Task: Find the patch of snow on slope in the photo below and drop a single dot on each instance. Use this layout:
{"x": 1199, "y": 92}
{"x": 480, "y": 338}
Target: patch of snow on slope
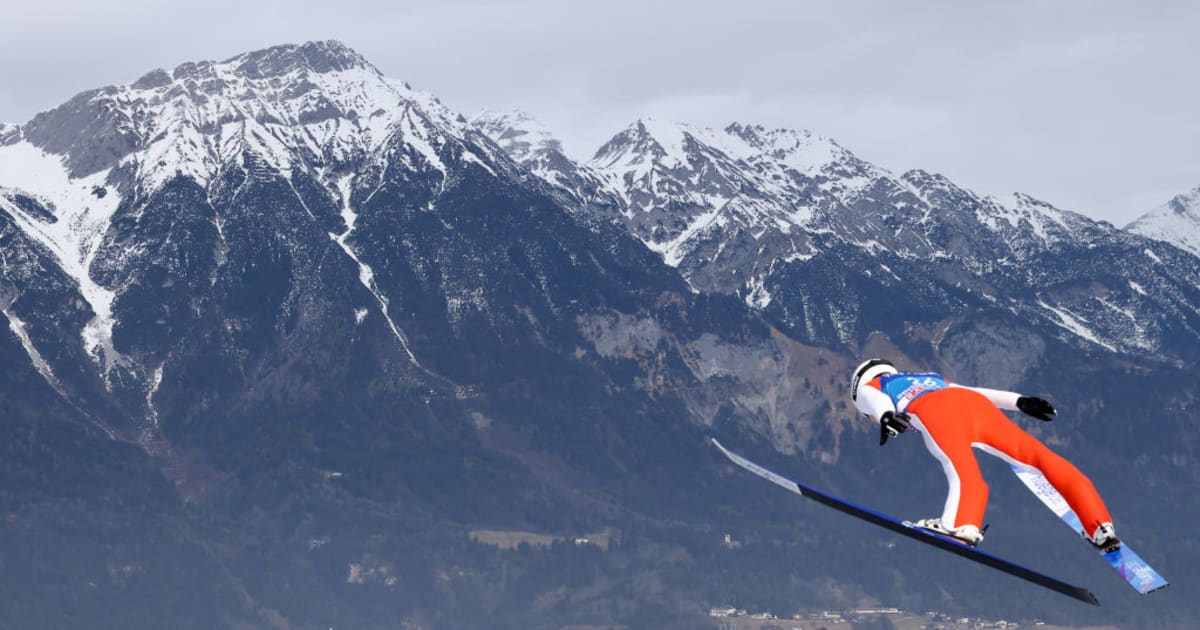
{"x": 757, "y": 295}
{"x": 83, "y": 219}
{"x": 674, "y": 250}
{"x": 39, "y": 362}
{"x": 1070, "y": 323}
{"x": 366, "y": 275}
{"x": 1048, "y": 223}
{"x": 419, "y": 138}
{"x": 1138, "y": 338}
{"x": 155, "y": 381}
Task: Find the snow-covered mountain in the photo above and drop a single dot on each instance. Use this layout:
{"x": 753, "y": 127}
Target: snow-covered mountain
{"x": 79, "y": 178}
{"x": 738, "y": 210}
{"x": 291, "y": 106}
{"x": 328, "y": 328}
{"x": 1176, "y": 222}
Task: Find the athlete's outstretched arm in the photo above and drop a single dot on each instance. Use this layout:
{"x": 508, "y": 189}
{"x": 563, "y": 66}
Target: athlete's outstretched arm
{"x": 1032, "y": 405}
{"x": 999, "y": 397}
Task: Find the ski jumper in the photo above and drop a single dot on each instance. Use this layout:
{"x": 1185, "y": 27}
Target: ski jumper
{"x": 953, "y": 419}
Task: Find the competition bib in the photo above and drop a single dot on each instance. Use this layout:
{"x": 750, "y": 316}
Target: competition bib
{"x": 905, "y": 388}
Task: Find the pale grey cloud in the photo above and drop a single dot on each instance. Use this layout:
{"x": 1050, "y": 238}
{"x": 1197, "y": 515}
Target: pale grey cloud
{"x": 1089, "y": 105}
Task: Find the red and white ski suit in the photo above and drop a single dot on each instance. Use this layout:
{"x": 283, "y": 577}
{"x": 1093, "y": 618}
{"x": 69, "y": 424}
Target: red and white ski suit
{"x": 952, "y": 419}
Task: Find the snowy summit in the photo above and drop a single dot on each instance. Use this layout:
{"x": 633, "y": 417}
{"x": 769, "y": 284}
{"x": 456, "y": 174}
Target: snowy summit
{"x": 319, "y": 107}
{"x": 1176, "y": 222}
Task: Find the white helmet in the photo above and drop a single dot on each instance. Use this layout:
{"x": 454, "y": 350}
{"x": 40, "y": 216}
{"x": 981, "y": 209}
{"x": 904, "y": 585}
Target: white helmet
{"x": 867, "y": 371}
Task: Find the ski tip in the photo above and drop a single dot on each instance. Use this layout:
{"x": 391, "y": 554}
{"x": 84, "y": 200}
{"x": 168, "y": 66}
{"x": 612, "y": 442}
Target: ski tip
{"x": 1157, "y": 588}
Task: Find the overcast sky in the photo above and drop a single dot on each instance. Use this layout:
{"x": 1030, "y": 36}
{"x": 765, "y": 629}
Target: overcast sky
{"x": 1091, "y": 106}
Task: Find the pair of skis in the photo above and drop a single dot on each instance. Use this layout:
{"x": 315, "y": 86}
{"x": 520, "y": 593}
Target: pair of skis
{"x": 1128, "y": 564}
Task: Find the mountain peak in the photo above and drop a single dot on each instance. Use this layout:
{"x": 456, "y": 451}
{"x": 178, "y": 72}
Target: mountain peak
{"x": 745, "y": 130}
{"x": 800, "y": 149}
{"x": 1176, "y": 222}
{"x": 521, "y": 135}
{"x": 1187, "y": 203}
{"x": 277, "y": 61}
{"x": 648, "y": 140}
{"x": 656, "y": 130}
{"x": 322, "y": 95}
{"x": 321, "y": 57}
{"x": 761, "y": 136}
{"x": 921, "y": 177}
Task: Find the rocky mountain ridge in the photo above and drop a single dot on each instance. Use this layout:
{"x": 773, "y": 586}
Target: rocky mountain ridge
{"x": 736, "y": 210}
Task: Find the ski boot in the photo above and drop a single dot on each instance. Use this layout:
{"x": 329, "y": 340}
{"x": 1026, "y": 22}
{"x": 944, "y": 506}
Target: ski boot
{"x": 968, "y": 534}
{"x": 1105, "y": 537}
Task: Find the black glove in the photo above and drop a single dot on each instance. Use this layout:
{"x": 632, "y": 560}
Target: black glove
{"x": 1036, "y": 407}
{"x": 892, "y": 423}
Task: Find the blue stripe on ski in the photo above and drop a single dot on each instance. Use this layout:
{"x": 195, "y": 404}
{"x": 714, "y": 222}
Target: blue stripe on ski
{"x": 908, "y": 529}
{"x": 1125, "y": 561}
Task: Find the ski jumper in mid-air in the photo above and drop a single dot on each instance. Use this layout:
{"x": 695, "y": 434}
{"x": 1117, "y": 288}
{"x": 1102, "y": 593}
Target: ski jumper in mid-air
{"x": 953, "y": 419}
